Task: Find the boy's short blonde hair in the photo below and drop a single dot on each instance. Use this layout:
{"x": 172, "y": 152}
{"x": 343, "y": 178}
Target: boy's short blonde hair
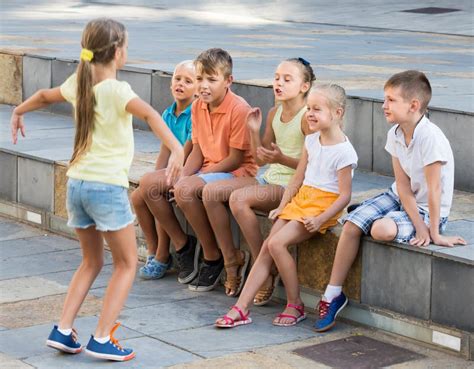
{"x": 213, "y": 61}
{"x": 188, "y": 64}
{"x": 413, "y": 84}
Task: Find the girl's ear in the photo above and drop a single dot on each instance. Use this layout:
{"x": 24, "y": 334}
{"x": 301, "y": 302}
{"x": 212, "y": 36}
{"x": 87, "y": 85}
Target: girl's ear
{"x": 340, "y": 112}
{"x": 305, "y": 87}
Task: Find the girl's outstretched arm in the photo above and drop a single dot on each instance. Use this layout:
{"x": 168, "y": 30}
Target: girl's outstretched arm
{"x": 40, "y": 99}
{"x": 140, "y": 109}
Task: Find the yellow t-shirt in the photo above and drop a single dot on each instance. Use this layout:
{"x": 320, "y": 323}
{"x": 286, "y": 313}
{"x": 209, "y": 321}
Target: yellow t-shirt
{"x": 111, "y": 152}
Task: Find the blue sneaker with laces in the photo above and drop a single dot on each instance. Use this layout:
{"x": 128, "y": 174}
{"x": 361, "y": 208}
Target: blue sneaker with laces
{"x": 65, "y": 343}
{"x": 154, "y": 269}
{"x": 111, "y": 350}
{"x": 328, "y": 312}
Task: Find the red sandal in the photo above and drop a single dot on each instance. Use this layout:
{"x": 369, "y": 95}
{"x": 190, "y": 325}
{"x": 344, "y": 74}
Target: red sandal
{"x": 231, "y": 323}
{"x": 296, "y": 319}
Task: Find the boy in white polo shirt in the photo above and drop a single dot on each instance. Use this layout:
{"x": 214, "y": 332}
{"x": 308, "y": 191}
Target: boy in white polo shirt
{"x": 415, "y": 209}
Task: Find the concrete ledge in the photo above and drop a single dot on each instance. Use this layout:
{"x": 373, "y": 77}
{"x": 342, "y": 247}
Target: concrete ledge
{"x": 11, "y": 75}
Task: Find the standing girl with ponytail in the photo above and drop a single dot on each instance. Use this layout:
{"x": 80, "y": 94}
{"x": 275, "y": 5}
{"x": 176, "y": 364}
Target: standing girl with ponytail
{"x": 97, "y": 201}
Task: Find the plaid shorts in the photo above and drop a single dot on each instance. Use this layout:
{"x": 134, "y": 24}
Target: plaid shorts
{"x": 387, "y": 205}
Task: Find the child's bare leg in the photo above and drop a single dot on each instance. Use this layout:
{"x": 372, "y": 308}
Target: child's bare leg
{"x": 292, "y": 233}
{"x": 258, "y": 274}
{"x": 92, "y": 260}
{"x": 214, "y": 197}
{"x": 346, "y": 252}
{"x": 146, "y": 220}
{"x": 163, "y": 249}
{"x": 153, "y": 186}
{"x": 188, "y": 197}
{"x": 243, "y": 203}
{"x": 123, "y": 245}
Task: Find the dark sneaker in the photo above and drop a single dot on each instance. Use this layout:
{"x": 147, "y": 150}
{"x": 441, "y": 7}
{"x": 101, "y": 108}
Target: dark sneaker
{"x": 110, "y": 350}
{"x": 62, "y": 342}
{"x": 188, "y": 262}
{"x": 208, "y": 277}
{"x": 328, "y": 312}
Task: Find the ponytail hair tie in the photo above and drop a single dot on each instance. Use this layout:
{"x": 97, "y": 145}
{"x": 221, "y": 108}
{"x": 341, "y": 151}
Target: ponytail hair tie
{"x": 87, "y": 55}
{"x": 304, "y": 62}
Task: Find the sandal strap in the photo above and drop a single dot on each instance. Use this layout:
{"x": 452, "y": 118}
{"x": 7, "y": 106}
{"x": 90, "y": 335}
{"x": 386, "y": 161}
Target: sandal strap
{"x": 239, "y": 261}
{"x": 289, "y": 316}
{"x": 232, "y": 282}
{"x": 241, "y": 313}
{"x": 298, "y": 308}
{"x": 228, "y": 320}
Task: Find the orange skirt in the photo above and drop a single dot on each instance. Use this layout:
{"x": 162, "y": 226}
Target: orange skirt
{"x": 310, "y": 202}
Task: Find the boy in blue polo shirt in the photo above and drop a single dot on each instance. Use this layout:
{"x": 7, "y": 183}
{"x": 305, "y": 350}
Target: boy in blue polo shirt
{"x": 178, "y": 118}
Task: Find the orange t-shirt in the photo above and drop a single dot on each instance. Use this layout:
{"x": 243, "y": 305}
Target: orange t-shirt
{"x": 222, "y": 129}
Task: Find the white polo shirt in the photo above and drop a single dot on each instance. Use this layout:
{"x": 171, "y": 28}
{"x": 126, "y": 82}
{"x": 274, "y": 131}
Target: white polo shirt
{"x": 428, "y": 145}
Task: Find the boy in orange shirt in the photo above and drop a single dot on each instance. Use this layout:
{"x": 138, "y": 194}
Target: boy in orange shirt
{"x": 221, "y": 151}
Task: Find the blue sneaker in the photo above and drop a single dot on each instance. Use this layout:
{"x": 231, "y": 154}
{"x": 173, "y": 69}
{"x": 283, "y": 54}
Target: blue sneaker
{"x": 328, "y": 312}
{"x": 110, "y": 350}
{"x": 154, "y": 269}
{"x": 62, "y": 342}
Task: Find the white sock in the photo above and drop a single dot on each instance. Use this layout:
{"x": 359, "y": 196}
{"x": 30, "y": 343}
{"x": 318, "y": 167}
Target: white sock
{"x": 66, "y": 332}
{"x": 331, "y": 293}
{"x": 102, "y": 339}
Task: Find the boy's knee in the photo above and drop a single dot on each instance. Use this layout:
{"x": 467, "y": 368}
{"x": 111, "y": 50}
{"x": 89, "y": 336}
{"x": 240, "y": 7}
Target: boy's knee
{"x": 151, "y": 186}
{"x": 136, "y": 197}
{"x": 236, "y": 204}
{"x": 384, "y": 229}
{"x": 207, "y": 195}
{"x": 183, "y": 195}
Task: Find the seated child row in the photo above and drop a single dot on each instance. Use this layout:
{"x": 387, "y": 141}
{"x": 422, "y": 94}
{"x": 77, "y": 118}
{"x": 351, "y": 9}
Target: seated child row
{"x": 305, "y": 188}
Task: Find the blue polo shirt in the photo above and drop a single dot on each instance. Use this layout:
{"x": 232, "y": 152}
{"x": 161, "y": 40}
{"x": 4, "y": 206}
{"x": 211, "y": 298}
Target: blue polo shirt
{"x": 180, "y": 126}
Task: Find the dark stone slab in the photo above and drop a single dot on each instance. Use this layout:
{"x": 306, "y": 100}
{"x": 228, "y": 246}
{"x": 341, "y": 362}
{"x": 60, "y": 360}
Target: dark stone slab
{"x": 61, "y": 70}
{"x": 358, "y": 352}
{"x": 8, "y": 178}
{"x": 396, "y": 279}
{"x": 452, "y": 294}
{"x": 36, "y": 74}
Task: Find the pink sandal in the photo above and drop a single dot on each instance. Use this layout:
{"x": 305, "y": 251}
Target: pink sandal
{"x": 296, "y": 319}
{"x": 231, "y": 323}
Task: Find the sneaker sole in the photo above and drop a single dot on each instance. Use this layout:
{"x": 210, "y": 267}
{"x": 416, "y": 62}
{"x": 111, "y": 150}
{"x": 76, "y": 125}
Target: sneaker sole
{"x": 61, "y": 347}
{"x": 207, "y": 288}
{"x": 109, "y": 357}
{"x": 194, "y": 273}
{"x": 328, "y": 327}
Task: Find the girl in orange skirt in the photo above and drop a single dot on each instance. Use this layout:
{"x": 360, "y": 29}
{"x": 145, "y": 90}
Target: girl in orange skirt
{"x": 313, "y": 201}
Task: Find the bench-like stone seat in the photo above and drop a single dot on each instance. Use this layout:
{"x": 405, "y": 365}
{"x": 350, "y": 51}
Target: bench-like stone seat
{"x": 431, "y": 285}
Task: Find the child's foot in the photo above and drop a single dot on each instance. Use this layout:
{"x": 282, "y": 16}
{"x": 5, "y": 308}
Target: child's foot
{"x": 233, "y": 318}
{"x": 110, "y": 350}
{"x": 328, "y": 312}
{"x": 265, "y": 292}
{"x": 187, "y": 260}
{"x": 154, "y": 269}
{"x": 235, "y": 273}
{"x": 65, "y": 343}
{"x": 292, "y": 315}
{"x": 208, "y": 276}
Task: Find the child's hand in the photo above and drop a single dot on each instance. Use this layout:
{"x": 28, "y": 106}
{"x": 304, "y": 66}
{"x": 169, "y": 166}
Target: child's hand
{"x": 16, "y": 123}
{"x": 422, "y": 237}
{"x": 448, "y": 241}
{"x": 175, "y": 165}
{"x": 270, "y": 156}
{"x": 254, "y": 119}
{"x": 274, "y": 213}
{"x": 312, "y": 224}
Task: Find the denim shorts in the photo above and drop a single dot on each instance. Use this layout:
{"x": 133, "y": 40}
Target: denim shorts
{"x": 214, "y": 177}
{"x": 388, "y": 205}
{"x": 98, "y": 204}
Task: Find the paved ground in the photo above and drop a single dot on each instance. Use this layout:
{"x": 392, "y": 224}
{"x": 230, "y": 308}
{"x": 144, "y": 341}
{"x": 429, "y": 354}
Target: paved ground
{"x": 357, "y": 44}
{"x": 167, "y": 324}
